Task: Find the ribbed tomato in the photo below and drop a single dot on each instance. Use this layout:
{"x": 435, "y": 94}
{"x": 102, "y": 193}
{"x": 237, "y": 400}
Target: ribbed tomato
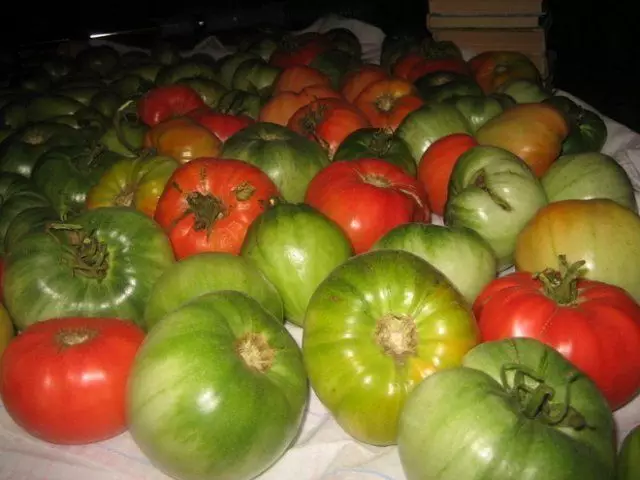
{"x": 162, "y": 103}
{"x": 386, "y": 103}
{"x": 222, "y": 125}
{"x": 593, "y": 324}
{"x": 367, "y": 198}
{"x": 209, "y": 203}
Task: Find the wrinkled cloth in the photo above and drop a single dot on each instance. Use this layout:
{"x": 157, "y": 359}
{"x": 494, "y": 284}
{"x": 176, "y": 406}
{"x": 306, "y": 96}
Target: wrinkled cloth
{"x": 323, "y": 451}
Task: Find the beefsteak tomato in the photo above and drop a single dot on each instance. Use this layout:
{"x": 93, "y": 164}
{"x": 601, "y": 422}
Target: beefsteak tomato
{"x": 297, "y": 78}
{"x": 515, "y": 409}
{"x": 491, "y": 69}
{"x": 222, "y": 125}
{"x": 594, "y": 325}
{"x": 209, "y": 203}
{"x": 367, "y": 197}
{"x": 357, "y": 79}
{"x": 375, "y": 328}
{"x": 386, "y": 103}
{"x": 81, "y": 367}
{"x": 436, "y": 165}
{"x": 164, "y": 102}
{"x": 281, "y": 107}
{"x": 327, "y": 121}
{"x": 218, "y": 389}
{"x": 102, "y": 265}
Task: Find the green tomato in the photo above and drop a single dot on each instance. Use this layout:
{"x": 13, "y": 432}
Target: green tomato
{"x": 238, "y": 102}
{"x": 210, "y": 90}
{"x": 46, "y": 107}
{"x": 524, "y": 90}
{"x": 374, "y": 328}
{"x": 494, "y": 193}
{"x": 104, "y": 264}
{"x": 296, "y": 247}
{"x": 628, "y": 464}
{"x": 459, "y": 253}
{"x": 218, "y": 390}
{"x": 209, "y": 272}
{"x": 582, "y": 176}
{"x": 477, "y": 109}
{"x": 288, "y": 158}
{"x": 188, "y": 68}
{"x": 6, "y": 329}
{"x": 255, "y": 76}
{"x": 516, "y": 409}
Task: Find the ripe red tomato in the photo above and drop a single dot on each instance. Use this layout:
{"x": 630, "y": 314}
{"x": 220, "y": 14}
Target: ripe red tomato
{"x": 162, "y": 103}
{"x": 208, "y": 204}
{"x": 328, "y": 121}
{"x": 64, "y": 380}
{"x": 593, "y": 324}
{"x": 436, "y": 165}
{"x": 367, "y": 198}
{"x": 222, "y": 125}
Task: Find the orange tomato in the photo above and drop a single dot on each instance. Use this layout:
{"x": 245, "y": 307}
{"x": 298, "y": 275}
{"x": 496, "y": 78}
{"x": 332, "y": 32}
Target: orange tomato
{"x": 406, "y": 63}
{"x": 492, "y": 69}
{"x": 532, "y": 131}
{"x": 355, "y": 81}
{"x": 182, "y": 139}
{"x": 297, "y": 78}
{"x": 436, "y": 166}
{"x": 281, "y": 107}
{"x": 385, "y": 103}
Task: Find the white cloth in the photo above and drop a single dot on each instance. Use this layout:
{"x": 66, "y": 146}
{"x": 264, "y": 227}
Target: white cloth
{"x": 323, "y": 451}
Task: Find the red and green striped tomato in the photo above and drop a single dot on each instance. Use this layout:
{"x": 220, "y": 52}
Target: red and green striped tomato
{"x": 217, "y": 390}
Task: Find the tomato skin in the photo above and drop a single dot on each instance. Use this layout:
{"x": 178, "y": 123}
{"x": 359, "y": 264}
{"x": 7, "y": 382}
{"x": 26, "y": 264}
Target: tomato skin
{"x": 1, "y": 278}
{"x": 299, "y": 50}
{"x": 162, "y": 103}
{"x": 600, "y": 334}
{"x": 209, "y": 203}
{"x": 356, "y": 80}
{"x": 281, "y": 107}
{"x": 297, "y": 78}
{"x": 494, "y": 68}
{"x": 222, "y": 125}
{"x": 84, "y": 384}
{"x": 455, "y": 65}
{"x": 367, "y": 197}
{"x": 436, "y": 166}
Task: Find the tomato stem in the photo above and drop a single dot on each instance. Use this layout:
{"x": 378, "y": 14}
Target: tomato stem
{"x": 397, "y": 335}
{"x": 481, "y": 182}
{"x": 206, "y": 208}
{"x": 70, "y": 337}
{"x": 90, "y": 256}
{"x": 562, "y": 285}
{"x": 255, "y": 351}
{"x": 380, "y": 143}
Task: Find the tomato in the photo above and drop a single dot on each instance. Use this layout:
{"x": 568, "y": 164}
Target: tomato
{"x": 222, "y": 125}
{"x": 183, "y": 139}
{"x": 429, "y": 123}
{"x": 376, "y": 326}
{"x": 357, "y": 79}
{"x": 581, "y": 176}
{"x": 209, "y": 203}
{"x": 289, "y": 159}
{"x": 387, "y": 102}
{"x": 455, "y": 65}
{"x": 228, "y": 65}
{"x": 255, "y": 76}
{"x": 164, "y": 102}
{"x": 516, "y": 408}
{"x": 210, "y": 90}
{"x": 494, "y": 193}
{"x": 367, "y": 198}
{"x": 192, "y": 277}
{"x": 594, "y": 325}
{"x": 532, "y": 131}
{"x": 102, "y": 265}
{"x": 81, "y": 367}
{"x": 479, "y": 109}
{"x": 376, "y": 143}
{"x": 66, "y": 174}
{"x": 327, "y": 121}
{"x": 300, "y": 49}
{"x": 296, "y": 247}
{"x": 130, "y": 182}
{"x": 298, "y": 77}
{"x": 281, "y": 107}
{"x": 491, "y": 69}
{"x": 628, "y": 464}
{"x": 601, "y": 232}
{"x": 6, "y": 327}
{"x": 238, "y": 102}
{"x": 406, "y": 63}
{"x": 218, "y": 389}
{"x": 436, "y": 165}
{"x": 459, "y": 253}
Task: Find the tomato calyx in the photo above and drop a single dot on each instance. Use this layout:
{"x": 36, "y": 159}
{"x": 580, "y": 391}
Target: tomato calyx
{"x": 385, "y": 103}
{"x": 562, "y": 285}
{"x": 255, "y": 351}
{"x": 397, "y": 335}
{"x": 90, "y": 256}
{"x": 380, "y": 142}
{"x": 70, "y": 337}
{"x": 206, "y": 208}
{"x": 481, "y": 182}
{"x": 536, "y": 399}
{"x": 244, "y": 191}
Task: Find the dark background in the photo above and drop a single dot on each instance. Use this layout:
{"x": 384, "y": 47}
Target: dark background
{"x": 595, "y": 42}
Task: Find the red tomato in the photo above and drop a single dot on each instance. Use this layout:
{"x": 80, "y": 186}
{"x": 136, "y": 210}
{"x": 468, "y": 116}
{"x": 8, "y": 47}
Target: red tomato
{"x": 222, "y": 125}
{"x": 209, "y": 203}
{"x": 454, "y": 65}
{"x": 367, "y": 198}
{"x": 328, "y": 121}
{"x": 162, "y": 103}
{"x": 64, "y": 380}
{"x": 593, "y": 324}
{"x": 436, "y": 165}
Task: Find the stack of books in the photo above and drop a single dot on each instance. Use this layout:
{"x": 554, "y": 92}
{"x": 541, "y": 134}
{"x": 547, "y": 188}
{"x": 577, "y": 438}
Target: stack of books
{"x": 486, "y": 25}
